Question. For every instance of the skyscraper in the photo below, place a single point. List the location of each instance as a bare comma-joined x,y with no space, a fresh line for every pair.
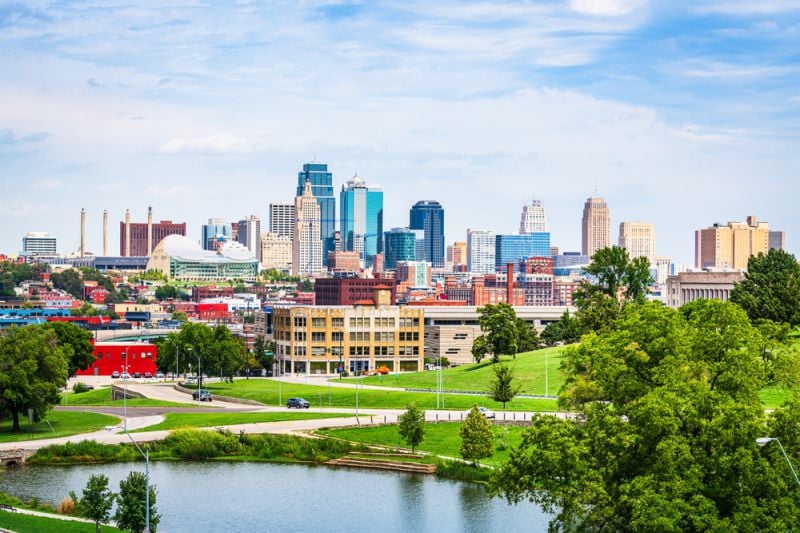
306,244
596,226
216,229
38,243
533,219
639,239
281,218
250,234
428,215
399,244
322,188
731,246
361,219
457,254
480,251
516,248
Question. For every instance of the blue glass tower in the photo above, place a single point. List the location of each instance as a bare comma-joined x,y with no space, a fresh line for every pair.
322,189
516,248
399,245
216,229
428,215
361,219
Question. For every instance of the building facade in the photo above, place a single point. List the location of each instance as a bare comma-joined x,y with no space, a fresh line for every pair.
276,252
361,219
139,236
38,244
215,231
428,216
777,240
639,239
340,261
480,251
307,244
595,226
249,234
534,218
730,246
322,189
182,259
350,290
281,218
516,248
399,244
415,274
690,286
122,357
457,255
663,269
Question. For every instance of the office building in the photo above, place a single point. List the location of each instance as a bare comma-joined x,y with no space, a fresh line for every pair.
639,239
480,251
361,219
281,218
341,261
457,255
595,226
516,248
250,234
276,252
182,259
731,246
428,216
399,245
414,274
777,240
690,286
663,269
216,231
533,219
38,244
322,189
350,290
138,239
307,244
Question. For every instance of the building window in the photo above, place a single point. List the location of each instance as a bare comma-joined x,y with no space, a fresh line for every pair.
337,322
317,322
299,321
318,336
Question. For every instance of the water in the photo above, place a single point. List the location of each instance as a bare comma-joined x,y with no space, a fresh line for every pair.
249,497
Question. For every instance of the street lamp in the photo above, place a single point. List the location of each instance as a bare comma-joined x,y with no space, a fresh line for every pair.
177,354
763,441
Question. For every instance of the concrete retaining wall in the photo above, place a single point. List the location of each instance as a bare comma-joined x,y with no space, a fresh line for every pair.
229,399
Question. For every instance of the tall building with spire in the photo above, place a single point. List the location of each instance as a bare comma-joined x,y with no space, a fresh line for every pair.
533,219
322,188
361,219
595,227
307,242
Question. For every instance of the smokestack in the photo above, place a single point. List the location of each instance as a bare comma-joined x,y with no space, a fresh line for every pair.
127,233
105,232
510,283
149,229
83,231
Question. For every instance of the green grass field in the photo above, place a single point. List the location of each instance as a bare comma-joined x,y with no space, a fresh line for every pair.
529,370
266,391
184,420
22,523
64,423
440,439
102,397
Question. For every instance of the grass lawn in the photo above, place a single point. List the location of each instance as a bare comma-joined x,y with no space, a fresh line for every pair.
102,397
529,370
440,439
22,523
64,423
774,396
266,391
183,420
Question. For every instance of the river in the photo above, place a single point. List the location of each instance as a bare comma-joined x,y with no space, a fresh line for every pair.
249,497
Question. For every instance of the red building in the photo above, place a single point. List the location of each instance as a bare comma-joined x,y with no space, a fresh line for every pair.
348,291
211,291
117,356
139,235
212,311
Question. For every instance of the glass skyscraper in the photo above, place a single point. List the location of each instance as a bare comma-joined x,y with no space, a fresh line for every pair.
217,229
322,189
515,248
361,219
399,245
428,215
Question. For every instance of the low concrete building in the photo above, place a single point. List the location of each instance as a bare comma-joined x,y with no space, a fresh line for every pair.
690,286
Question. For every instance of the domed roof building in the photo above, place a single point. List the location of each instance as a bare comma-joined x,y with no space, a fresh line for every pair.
180,258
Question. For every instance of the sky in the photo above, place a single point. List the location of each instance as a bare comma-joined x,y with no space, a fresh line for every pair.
680,113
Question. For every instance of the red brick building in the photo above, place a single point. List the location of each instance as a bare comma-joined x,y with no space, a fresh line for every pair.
212,311
348,291
139,235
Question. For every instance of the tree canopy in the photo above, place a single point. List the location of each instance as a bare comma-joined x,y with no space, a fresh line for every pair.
477,439
771,288
131,500
411,425
665,438
76,343
501,388
502,332
219,351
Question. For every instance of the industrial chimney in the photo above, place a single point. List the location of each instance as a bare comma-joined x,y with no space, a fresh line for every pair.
105,232
149,230
83,231
127,233
510,283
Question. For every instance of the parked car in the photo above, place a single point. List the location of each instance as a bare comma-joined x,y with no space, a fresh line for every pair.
203,394
125,375
190,380
297,402
160,375
148,375
115,374
137,375
485,412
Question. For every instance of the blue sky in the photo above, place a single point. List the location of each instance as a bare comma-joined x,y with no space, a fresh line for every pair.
679,113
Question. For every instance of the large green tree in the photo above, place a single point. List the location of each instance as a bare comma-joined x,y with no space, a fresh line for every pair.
96,501
477,439
771,288
665,438
411,425
500,332
566,329
131,505
76,343
32,369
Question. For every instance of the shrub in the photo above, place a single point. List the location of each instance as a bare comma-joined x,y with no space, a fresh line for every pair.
66,506
462,471
192,444
80,387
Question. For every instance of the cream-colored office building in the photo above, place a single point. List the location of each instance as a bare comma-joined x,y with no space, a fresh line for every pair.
639,239
307,242
595,226
690,286
276,251
731,246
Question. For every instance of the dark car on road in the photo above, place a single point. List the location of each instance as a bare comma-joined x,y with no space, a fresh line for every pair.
297,402
204,395
137,375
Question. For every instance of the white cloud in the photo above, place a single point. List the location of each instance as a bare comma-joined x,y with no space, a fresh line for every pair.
747,7
18,208
610,8
46,185
727,71
220,143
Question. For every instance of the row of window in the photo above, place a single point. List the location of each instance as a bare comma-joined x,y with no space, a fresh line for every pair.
355,336
355,322
143,355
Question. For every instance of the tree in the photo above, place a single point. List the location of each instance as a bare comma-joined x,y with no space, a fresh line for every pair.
264,351
411,425
180,316
527,337
131,500
70,281
771,288
32,369
165,292
477,439
97,501
500,389
76,343
501,334
668,413
566,330
480,347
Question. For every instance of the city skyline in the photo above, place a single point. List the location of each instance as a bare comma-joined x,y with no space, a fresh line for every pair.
678,113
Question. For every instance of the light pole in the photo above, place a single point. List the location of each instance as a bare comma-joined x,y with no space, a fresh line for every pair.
763,441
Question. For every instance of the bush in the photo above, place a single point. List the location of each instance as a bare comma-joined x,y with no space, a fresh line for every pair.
86,451
503,439
191,444
80,387
462,471
66,506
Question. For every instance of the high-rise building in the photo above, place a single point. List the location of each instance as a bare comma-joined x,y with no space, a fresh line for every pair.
250,234
344,261
276,251
142,232
307,243
516,248
428,215
281,218
596,226
663,269
457,254
361,219
533,219
639,239
216,230
38,243
415,274
777,240
480,251
322,188
731,246
399,245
